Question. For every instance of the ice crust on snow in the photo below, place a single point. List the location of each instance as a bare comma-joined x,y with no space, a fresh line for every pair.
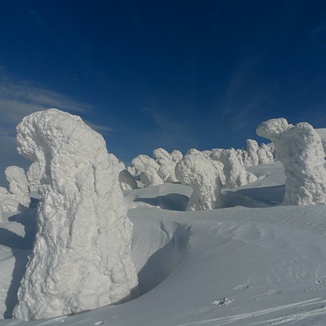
301,152
205,176
18,185
81,257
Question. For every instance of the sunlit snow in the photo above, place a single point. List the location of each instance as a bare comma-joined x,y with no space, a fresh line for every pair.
253,262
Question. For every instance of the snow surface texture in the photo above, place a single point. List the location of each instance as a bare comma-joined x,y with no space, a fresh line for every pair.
167,163
81,256
301,152
34,175
18,185
205,176
240,266
148,170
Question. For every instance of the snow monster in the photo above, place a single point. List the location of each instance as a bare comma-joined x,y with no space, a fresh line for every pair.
81,257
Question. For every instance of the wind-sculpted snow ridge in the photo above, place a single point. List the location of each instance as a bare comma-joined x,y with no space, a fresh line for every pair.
301,152
233,168
148,170
167,163
18,185
81,257
205,176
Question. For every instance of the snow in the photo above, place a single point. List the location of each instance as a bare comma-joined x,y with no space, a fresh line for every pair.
148,169
167,163
301,152
205,176
18,184
233,168
255,262
81,256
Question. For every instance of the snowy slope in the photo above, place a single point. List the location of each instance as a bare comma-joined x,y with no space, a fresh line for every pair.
252,263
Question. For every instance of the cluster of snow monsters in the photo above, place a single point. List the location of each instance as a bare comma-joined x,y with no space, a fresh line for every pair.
159,170
208,172
205,172
81,256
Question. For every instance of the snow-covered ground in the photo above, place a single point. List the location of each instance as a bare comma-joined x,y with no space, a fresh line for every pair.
252,263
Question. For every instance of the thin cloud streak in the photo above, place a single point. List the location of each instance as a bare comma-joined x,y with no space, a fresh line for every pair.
169,133
104,130
19,98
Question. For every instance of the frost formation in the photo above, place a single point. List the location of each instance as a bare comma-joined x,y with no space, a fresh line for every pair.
81,257
301,152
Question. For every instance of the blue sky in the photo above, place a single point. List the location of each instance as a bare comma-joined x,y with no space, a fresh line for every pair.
172,74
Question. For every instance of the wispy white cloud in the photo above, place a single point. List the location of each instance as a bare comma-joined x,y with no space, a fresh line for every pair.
99,128
246,96
19,98
169,132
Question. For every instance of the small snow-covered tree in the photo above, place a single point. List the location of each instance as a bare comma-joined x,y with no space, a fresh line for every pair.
251,157
148,170
81,257
301,152
8,202
167,163
233,168
265,154
18,185
205,176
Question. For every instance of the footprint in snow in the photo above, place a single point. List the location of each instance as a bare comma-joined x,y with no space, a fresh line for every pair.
222,302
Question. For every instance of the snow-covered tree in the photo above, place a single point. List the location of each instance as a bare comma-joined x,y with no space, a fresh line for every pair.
167,163
301,152
148,170
127,181
251,157
233,167
265,154
81,257
18,185
205,176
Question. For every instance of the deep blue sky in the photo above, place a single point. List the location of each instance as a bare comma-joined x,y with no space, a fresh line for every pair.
172,74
